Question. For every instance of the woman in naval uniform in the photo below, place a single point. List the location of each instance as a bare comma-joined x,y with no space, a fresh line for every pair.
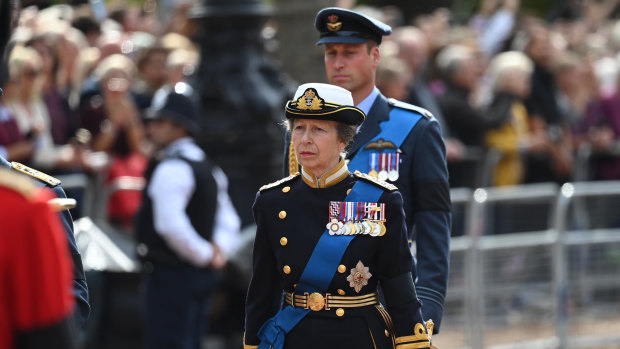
326,239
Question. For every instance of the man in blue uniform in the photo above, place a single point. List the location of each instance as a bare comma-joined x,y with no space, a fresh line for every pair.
398,143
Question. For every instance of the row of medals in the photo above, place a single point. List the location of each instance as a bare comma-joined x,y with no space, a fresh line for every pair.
384,175
365,227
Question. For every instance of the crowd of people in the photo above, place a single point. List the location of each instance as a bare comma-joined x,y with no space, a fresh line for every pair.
78,87
519,100
527,94
535,98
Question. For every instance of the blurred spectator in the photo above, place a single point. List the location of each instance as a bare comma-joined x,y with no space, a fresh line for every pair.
85,64
601,129
413,49
553,162
151,64
393,78
578,87
469,124
107,108
183,59
62,123
494,24
14,145
509,74
25,102
89,27
180,65
435,25
108,111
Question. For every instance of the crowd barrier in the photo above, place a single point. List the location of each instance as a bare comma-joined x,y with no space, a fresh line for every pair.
532,266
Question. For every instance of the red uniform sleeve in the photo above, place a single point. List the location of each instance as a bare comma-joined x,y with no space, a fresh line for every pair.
41,280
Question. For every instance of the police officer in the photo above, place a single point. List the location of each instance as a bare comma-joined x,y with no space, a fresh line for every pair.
397,142
80,288
326,237
185,226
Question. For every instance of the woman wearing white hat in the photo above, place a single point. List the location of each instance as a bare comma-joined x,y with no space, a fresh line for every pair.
326,238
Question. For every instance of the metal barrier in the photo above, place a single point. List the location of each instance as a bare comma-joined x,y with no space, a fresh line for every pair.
535,268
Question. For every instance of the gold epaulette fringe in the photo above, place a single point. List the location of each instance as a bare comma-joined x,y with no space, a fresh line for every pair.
278,182
385,185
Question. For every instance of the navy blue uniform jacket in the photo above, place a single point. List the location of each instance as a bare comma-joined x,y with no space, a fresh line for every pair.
423,184
278,265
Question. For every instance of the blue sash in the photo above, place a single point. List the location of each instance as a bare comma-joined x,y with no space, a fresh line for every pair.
395,129
326,256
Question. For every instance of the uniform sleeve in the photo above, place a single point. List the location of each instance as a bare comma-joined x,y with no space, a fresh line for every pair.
432,219
41,291
264,293
227,222
80,288
395,262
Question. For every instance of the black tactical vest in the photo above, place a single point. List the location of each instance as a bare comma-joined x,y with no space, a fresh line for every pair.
200,209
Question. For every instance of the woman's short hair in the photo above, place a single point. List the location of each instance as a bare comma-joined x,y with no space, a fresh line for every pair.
345,132
20,58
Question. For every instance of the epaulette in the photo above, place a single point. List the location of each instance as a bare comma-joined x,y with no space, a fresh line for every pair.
402,105
17,183
43,177
385,185
278,182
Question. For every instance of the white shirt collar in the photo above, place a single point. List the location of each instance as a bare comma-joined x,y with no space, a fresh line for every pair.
367,103
177,145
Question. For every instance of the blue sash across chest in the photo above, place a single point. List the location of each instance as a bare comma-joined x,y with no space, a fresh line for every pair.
395,129
326,256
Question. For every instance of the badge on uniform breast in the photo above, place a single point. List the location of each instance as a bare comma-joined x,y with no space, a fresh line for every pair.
359,276
384,166
356,218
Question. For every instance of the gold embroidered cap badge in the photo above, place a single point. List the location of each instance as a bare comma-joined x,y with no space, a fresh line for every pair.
333,25
310,100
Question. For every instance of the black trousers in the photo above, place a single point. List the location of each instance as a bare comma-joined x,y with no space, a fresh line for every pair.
176,306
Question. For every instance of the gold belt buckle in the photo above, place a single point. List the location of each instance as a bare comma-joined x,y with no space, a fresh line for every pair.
315,301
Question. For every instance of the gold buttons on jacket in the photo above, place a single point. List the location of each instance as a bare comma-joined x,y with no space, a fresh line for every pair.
286,269
282,214
286,189
387,334
283,241
339,311
341,292
342,268
348,191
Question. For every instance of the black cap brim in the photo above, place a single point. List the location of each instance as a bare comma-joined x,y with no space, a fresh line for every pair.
342,39
188,124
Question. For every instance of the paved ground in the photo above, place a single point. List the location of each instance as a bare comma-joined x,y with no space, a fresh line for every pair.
454,338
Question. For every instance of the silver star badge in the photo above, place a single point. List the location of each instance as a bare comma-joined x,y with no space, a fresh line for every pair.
359,277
